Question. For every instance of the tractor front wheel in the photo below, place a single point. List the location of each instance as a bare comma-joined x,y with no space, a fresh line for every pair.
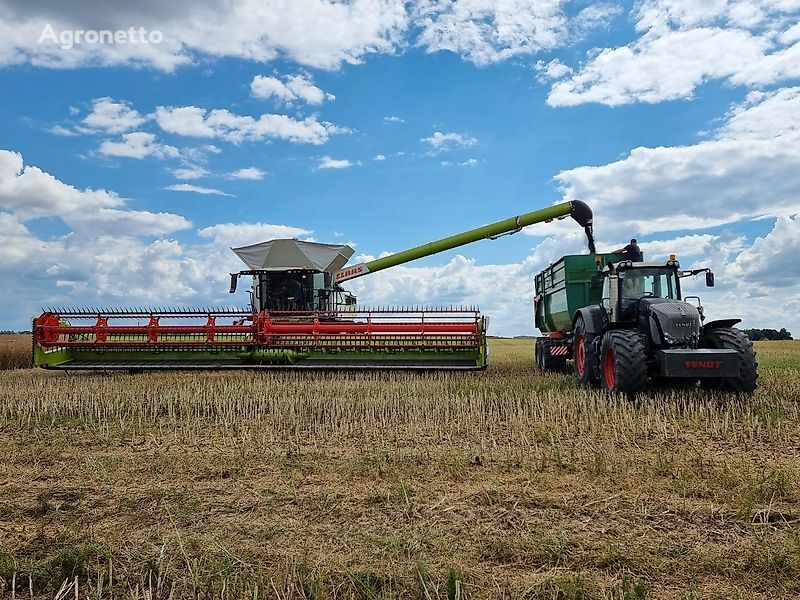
584,356
623,365
733,339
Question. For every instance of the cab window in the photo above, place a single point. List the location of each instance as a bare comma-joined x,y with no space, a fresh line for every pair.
651,282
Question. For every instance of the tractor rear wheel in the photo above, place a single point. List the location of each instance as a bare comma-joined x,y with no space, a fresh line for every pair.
585,359
623,364
733,339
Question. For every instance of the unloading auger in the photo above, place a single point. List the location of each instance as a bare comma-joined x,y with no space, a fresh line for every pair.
299,317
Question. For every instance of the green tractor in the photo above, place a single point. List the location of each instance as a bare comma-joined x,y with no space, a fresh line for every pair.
627,323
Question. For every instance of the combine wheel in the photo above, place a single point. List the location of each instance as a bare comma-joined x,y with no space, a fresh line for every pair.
623,365
585,359
733,339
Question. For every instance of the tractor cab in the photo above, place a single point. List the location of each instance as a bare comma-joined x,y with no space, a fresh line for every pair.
630,288
647,296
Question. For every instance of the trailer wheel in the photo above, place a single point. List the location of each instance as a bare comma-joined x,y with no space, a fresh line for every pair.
585,359
623,365
733,339
546,361
538,353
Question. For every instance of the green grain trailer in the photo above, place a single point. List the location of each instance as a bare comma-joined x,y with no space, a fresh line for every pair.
561,289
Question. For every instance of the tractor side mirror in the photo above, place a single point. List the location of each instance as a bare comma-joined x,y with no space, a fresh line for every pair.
596,282
234,280
709,279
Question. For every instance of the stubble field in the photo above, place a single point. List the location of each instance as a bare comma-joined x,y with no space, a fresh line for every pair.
504,484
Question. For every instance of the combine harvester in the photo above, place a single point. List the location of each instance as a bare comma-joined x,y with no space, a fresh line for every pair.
299,317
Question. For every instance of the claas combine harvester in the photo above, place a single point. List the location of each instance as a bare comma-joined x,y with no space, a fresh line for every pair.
299,316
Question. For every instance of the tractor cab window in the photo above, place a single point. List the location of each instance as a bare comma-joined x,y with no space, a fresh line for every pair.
652,282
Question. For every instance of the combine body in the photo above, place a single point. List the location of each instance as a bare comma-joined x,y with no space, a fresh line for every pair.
626,323
299,317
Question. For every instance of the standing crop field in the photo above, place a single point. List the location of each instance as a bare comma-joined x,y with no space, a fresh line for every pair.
15,352
504,484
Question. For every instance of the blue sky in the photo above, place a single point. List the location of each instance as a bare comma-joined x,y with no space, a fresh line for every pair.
126,170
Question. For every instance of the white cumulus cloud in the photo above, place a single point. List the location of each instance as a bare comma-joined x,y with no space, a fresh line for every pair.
251,173
290,89
192,121
110,116
138,144
316,33
684,44
440,142
195,189
326,162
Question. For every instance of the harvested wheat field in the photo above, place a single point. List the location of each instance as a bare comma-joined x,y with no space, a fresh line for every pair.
503,484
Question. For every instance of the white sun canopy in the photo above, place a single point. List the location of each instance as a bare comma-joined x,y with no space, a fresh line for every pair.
286,255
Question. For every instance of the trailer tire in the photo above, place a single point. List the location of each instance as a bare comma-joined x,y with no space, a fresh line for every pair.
544,360
537,354
623,364
585,360
733,339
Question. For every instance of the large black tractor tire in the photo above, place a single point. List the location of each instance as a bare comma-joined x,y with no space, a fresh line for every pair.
623,363
731,338
544,360
585,359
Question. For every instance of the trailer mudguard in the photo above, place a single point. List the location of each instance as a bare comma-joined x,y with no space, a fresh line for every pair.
592,319
720,323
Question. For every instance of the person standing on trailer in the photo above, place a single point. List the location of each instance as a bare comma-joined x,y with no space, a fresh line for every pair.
632,251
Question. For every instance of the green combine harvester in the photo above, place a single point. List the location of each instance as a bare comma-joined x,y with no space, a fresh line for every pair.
299,316
626,323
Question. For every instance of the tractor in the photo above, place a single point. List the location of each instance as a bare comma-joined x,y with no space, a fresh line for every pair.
629,324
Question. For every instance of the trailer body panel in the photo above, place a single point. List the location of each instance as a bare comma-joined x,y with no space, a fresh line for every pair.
565,287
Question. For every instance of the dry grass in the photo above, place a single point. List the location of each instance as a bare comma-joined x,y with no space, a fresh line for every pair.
293,485
15,352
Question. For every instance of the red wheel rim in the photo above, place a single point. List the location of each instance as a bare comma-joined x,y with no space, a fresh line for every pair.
580,356
608,369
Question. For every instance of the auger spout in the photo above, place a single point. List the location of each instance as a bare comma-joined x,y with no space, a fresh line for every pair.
578,210
582,213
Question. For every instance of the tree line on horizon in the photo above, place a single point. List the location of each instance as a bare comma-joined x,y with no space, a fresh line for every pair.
768,334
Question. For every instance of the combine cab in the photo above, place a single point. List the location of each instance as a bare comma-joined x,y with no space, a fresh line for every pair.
299,317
